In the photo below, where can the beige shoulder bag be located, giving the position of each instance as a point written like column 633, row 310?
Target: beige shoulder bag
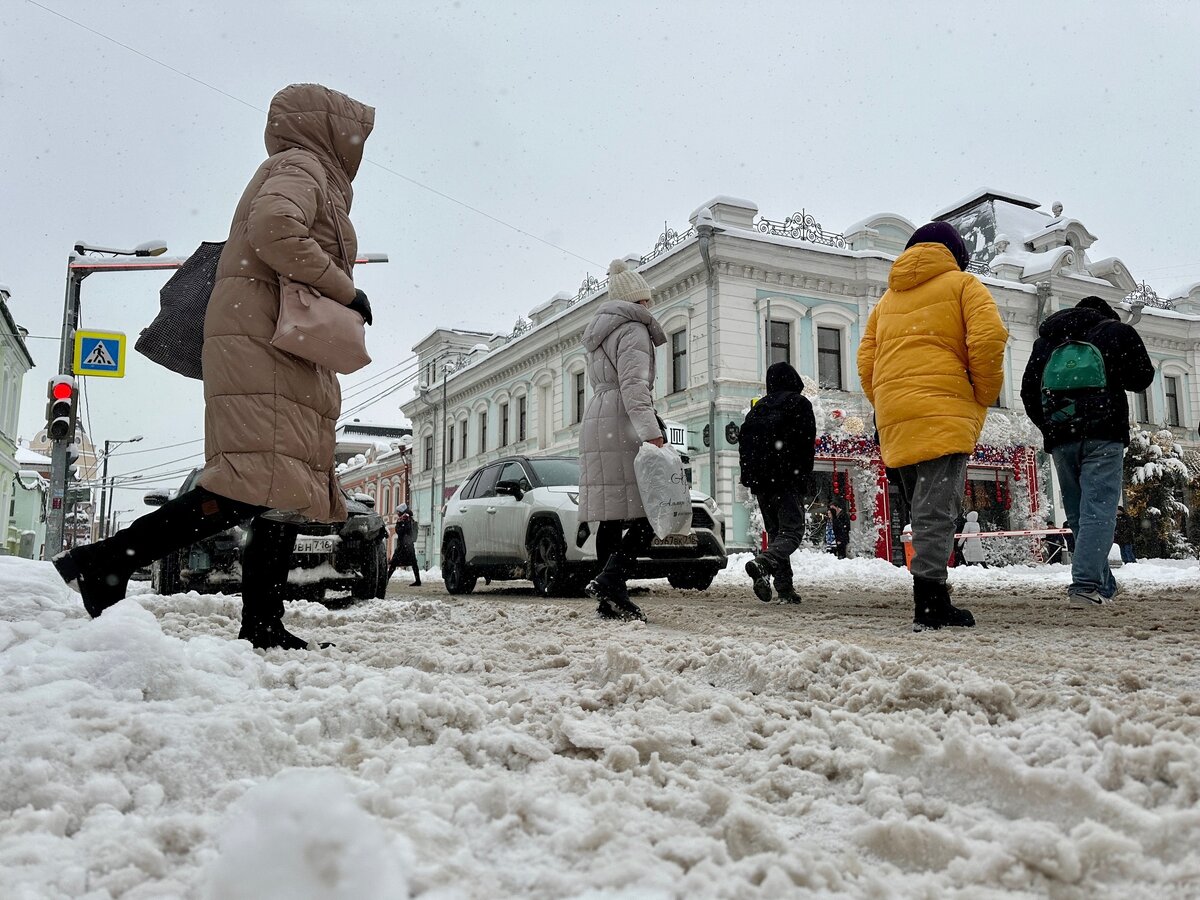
column 317, row 328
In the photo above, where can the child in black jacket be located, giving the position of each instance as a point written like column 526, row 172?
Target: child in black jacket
column 776, row 448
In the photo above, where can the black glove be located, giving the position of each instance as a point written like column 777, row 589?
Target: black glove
column 361, row 305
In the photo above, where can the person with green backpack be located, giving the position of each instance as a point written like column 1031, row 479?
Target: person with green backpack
column 1082, row 363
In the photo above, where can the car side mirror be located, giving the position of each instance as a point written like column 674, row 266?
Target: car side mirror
column 510, row 489
column 155, row 498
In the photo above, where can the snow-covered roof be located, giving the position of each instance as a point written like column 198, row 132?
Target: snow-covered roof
column 872, row 221
column 370, row 430
column 26, row 457
column 978, row 196
column 1176, row 289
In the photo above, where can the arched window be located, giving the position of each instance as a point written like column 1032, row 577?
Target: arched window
column 387, row 499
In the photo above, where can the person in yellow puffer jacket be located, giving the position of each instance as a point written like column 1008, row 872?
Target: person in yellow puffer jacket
column 931, row 362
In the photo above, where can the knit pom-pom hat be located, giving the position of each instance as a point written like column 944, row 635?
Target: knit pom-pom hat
column 624, row 284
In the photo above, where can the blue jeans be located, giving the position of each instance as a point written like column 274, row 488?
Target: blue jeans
column 1127, row 554
column 1090, row 475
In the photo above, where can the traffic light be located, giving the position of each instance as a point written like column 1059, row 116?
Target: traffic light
column 60, row 411
column 72, row 462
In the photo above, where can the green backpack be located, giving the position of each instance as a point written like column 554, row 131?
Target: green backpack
column 1074, row 369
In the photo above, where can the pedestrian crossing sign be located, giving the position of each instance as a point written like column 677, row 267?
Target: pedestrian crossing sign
column 100, row 353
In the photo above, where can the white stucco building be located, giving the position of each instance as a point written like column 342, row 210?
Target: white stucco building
column 15, row 361
column 789, row 289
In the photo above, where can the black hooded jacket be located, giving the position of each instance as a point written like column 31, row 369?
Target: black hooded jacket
column 778, row 438
column 1105, row 415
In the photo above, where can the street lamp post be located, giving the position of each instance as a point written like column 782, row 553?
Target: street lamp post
column 106, row 488
column 435, row 513
column 79, row 266
column 112, row 513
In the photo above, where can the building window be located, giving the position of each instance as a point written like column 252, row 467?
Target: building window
column 462, row 439
column 1171, row 389
column 829, row 358
column 679, row 360
column 1141, row 407
column 387, row 498
column 520, row 418
column 779, row 342
column 545, row 415
column 483, row 431
column 427, row 451
column 503, row 425
column 579, row 383
column 450, row 444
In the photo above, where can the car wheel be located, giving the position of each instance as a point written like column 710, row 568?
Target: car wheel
column 456, row 574
column 692, row 581
column 373, row 580
column 164, row 576
column 548, row 562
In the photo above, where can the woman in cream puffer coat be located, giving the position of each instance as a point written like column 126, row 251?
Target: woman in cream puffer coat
column 620, row 343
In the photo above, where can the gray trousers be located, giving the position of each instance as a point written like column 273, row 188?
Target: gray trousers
column 934, row 491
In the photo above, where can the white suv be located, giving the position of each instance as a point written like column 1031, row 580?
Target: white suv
column 517, row 517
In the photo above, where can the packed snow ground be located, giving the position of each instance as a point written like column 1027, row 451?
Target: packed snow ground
column 500, row 745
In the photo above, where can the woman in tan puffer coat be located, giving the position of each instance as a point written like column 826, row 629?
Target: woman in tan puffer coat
column 620, row 416
column 269, row 416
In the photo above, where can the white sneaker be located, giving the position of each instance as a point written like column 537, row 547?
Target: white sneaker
column 1087, row 599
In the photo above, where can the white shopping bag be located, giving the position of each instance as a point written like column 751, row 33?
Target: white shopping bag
column 664, row 490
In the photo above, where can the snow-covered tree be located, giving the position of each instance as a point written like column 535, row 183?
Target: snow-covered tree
column 1155, row 475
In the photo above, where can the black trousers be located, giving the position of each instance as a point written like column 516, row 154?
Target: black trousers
column 628, row 538
column 783, row 517
column 199, row 514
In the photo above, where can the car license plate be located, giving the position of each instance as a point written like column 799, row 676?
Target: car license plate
column 314, row 545
column 675, row 540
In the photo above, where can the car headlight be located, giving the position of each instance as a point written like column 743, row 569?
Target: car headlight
column 711, row 505
column 574, row 495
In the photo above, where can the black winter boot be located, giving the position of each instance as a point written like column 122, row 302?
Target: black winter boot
column 787, row 594
column 100, row 571
column 416, row 577
column 265, row 562
column 609, row 589
column 267, row 633
column 932, row 608
column 759, row 569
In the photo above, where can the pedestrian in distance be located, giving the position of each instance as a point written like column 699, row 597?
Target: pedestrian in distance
column 840, row 522
column 959, row 524
column 405, row 553
column 1054, row 546
column 618, row 418
column 1069, row 537
column 1073, row 389
column 776, row 445
column 269, row 417
column 972, row 547
column 1123, row 535
column 931, row 362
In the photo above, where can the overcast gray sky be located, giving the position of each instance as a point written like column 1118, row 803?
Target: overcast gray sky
column 585, row 125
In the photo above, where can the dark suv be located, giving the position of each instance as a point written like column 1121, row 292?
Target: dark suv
column 350, row 555
column 517, row 518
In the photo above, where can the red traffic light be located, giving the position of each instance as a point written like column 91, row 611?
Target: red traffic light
column 62, row 390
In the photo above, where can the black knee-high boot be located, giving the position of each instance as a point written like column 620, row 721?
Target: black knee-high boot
column 609, row 586
column 100, row 571
column 266, row 559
